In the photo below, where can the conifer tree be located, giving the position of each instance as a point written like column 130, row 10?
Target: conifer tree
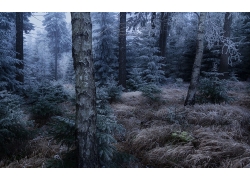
column 58, row 34
column 7, row 53
column 105, row 46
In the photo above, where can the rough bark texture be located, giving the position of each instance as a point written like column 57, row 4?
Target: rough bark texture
column 163, row 33
column 190, row 99
column 122, row 50
column 85, row 90
column 223, row 68
column 19, row 45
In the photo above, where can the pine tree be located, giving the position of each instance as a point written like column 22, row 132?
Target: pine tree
column 144, row 60
column 58, row 34
column 7, row 53
column 105, row 39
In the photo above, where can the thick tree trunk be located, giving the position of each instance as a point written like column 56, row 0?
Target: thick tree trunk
column 122, row 50
column 190, row 99
column 163, row 33
column 223, row 68
column 19, row 45
column 85, row 90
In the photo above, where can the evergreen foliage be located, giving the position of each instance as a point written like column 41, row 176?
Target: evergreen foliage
column 211, row 89
column 144, row 61
column 105, row 45
column 63, row 130
column 151, row 91
column 58, row 35
column 14, row 130
column 7, row 53
column 45, row 99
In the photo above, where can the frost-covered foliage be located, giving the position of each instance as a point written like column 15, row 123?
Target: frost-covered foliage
column 112, row 89
column 135, row 81
column 13, row 128
column 144, row 59
column 214, row 36
column 63, row 129
column 243, row 33
column 105, row 45
column 58, row 35
column 45, row 99
column 107, row 127
column 37, row 60
column 181, row 46
column 211, row 89
column 151, row 91
column 7, row 53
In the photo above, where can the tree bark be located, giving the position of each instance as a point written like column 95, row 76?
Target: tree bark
column 153, row 18
column 122, row 50
column 190, row 99
column 223, row 68
column 85, row 90
column 163, row 33
column 19, row 46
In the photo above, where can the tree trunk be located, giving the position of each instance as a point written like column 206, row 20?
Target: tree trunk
column 153, row 18
column 85, row 90
column 190, row 99
column 56, row 59
column 223, row 68
column 19, row 46
column 163, row 33
column 122, row 50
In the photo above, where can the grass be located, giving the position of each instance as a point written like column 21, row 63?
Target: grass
column 167, row 134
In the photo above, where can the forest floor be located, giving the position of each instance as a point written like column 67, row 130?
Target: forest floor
column 167, row 134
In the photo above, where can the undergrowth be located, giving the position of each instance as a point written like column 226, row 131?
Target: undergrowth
column 14, row 130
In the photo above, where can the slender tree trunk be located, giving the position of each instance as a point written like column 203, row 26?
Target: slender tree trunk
column 56, row 55
column 85, row 90
column 56, row 59
column 163, row 33
column 19, row 45
column 122, row 50
column 153, row 18
column 190, row 99
column 223, row 68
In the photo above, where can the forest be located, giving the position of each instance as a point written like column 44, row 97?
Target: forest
column 125, row 90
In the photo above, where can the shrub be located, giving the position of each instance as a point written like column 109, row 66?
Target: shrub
column 211, row 89
column 112, row 90
column 45, row 100
column 151, row 91
column 13, row 129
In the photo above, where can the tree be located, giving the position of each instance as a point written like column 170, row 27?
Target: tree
column 56, row 27
column 223, row 68
column 105, row 46
column 19, row 45
column 85, row 90
column 243, row 32
column 122, row 50
column 7, row 53
column 163, row 32
column 190, row 99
